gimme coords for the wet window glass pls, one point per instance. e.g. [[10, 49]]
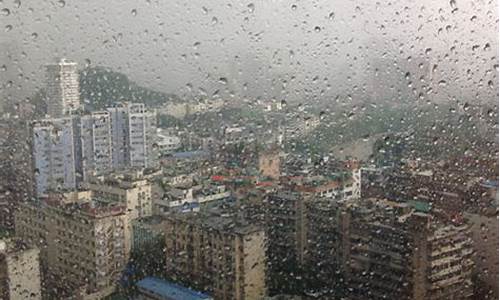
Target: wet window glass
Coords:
[[249, 150]]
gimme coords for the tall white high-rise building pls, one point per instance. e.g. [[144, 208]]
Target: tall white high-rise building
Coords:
[[67, 151], [93, 143], [53, 154], [63, 88], [133, 136]]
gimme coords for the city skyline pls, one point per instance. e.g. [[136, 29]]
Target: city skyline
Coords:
[[266, 150]]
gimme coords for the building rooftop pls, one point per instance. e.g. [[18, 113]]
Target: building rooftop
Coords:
[[190, 154], [169, 290], [223, 220]]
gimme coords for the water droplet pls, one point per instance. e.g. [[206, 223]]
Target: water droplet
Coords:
[[487, 47], [87, 63], [215, 21], [223, 80], [475, 47], [251, 7], [61, 3], [5, 11], [17, 3], [317, 29], [134, 12], [453, 4], [294, 7], [473, 18], [34, 35], [428, 51], [490, 84], [204, 10], [331, 16], [8, 28], [442, 82]]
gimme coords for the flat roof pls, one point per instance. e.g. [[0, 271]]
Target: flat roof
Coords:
[[169, 290]]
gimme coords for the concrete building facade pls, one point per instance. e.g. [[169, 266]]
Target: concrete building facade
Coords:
[[19, 271], [216, 254], [133, 136], [63, 88], [84, 245], [53, 154], [93, 143]]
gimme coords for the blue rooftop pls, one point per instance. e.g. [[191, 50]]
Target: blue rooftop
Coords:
[[168, 290], [190, 154], [490, 183]]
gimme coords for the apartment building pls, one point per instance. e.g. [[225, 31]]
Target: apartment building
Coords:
[[269, 164], [191, 197], [83, 245], [326, 229], [133, 135], [93, 143], [285, 219], [384, 236], [19, 271], [63, 88], [53, 154], [131, 189], [67, 151], [220, 254]]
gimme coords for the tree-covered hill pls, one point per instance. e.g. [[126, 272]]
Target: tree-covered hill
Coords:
[[100, 87]]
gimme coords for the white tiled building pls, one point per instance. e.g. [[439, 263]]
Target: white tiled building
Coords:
[[53, 154], [63, 88], [133, 135]]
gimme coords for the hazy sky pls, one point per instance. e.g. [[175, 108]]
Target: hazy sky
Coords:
[[299, 50]]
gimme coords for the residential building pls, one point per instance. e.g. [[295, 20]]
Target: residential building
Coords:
[[67, 151], [53, 154], [221, 254], [484, 229], [147, 231], [16, 178], [401, 251], [167, 144], [285, 219], [93, 143], [19, 271], [148, 244], [326, 229], [191, 197], [129, 188], [63, 88], [84, 245], [269, 164], [133, 136]]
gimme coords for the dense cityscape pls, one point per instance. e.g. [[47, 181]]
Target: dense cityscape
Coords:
[[106, 204], [265, 150]]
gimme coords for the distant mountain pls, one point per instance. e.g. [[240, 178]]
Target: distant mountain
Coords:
[[100, 87]]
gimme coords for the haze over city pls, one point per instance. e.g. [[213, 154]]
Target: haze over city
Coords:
[[283, 49], [260, 150]]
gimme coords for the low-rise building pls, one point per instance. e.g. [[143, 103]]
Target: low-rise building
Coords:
[[84, 246], [401, 251], [131, 189], [220, 254], [19, 271], [191, 197]]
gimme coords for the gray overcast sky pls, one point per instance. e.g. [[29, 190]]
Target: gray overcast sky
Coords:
[[299, 50]]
